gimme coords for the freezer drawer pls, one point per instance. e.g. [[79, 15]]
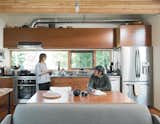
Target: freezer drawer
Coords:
[[141, 94]]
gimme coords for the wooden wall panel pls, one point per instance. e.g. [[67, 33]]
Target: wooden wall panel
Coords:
[[82, 38]]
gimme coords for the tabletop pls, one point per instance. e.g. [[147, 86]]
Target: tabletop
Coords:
[[109, 98], [5, 91]]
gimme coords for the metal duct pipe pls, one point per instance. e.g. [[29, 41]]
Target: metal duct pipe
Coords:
[[54, 20]]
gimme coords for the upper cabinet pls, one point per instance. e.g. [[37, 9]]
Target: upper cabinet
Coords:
[[62, 38], [135, 35]]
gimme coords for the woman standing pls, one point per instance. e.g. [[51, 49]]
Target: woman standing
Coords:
[[42, 73]]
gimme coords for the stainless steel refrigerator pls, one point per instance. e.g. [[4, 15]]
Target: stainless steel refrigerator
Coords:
[[136, 70]]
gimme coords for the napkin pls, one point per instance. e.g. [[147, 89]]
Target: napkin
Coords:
[[98, 93], [61, 90]]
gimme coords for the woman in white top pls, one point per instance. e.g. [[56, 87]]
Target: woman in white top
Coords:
[[42, 73]]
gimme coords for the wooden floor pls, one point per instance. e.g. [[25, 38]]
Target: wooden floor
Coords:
[[154, 111]]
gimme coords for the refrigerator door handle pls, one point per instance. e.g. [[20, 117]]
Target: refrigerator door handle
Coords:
[[136, 63], [139, 64], [133, 89]]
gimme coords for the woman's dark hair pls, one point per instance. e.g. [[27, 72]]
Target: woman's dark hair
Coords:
[[99, 68], [41, 56]]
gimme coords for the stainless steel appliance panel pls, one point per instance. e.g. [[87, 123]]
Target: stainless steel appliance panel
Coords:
[[143, 64], [136, 64], [140, 93], [128, 63], [25, 88], [136, 70]]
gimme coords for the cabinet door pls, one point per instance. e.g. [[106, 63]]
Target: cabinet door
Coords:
[[135, 35], [61, 82], [115, 84], [75, 83]]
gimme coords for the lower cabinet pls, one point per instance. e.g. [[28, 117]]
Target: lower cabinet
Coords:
[[82, 82], [115, 83], [75, 82]]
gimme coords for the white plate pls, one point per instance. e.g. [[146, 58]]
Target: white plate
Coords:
[[51, 95]]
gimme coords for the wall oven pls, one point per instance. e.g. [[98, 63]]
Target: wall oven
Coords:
[[25, 88]]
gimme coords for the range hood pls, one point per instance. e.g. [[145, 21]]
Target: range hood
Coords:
[[29, 45]]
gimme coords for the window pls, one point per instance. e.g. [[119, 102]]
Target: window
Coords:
[[103, 57], [81, 59], [77, 59], [28, 59]]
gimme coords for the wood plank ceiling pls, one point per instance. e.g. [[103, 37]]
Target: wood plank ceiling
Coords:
[[86, 6]]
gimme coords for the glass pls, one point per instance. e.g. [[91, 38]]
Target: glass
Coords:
[[29, 59], [103, 57], [82, 59]]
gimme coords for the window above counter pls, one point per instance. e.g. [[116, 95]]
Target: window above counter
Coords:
[[68, 60]]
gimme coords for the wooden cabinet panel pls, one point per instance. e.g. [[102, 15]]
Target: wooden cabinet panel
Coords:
[[6, 82], [135, 35], [61, 38], [82, 82], [75, 83]]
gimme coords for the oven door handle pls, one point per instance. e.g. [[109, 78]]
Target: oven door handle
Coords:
[[26, 85]]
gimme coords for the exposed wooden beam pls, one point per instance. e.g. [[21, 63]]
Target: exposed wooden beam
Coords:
[[86, 6]]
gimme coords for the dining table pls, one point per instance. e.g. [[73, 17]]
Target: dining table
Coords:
[[110, 97]]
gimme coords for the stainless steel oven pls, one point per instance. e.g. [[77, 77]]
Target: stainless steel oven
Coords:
[[25, 88]]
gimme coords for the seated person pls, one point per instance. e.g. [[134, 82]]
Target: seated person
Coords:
[[99, 80]]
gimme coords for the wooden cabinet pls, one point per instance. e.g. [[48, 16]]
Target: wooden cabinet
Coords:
[[74, 82], [135, 35], [6, 82], [62, 38], [82, 82]]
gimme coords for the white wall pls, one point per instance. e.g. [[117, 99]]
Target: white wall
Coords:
[[155, 22]]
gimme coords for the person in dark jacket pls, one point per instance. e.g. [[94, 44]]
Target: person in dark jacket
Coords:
[[99, 80]]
